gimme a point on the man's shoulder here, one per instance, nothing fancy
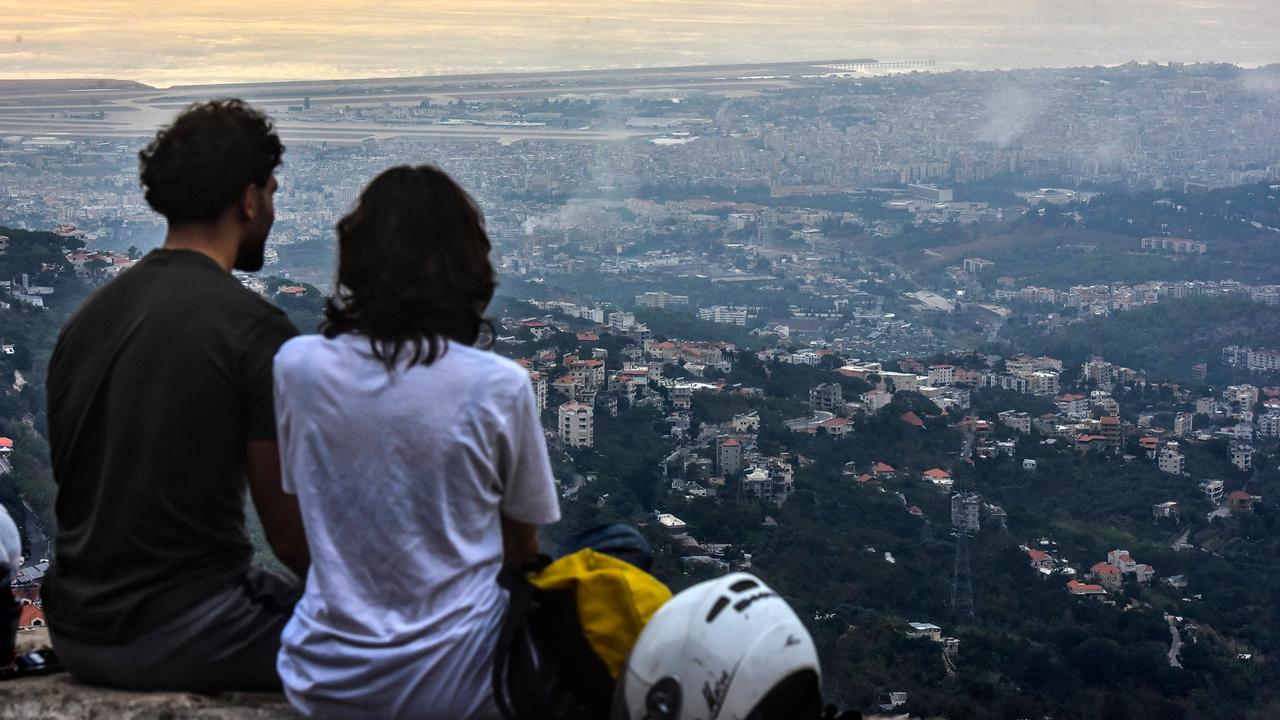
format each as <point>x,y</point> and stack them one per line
<point>251,303</point>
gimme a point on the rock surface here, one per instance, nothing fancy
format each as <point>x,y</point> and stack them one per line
<point>58,697</point>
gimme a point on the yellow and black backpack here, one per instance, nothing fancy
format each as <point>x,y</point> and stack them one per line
<point>571,624</point>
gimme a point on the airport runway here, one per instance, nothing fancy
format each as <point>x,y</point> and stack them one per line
<point>123,110</point>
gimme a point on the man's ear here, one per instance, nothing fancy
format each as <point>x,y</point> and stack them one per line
<point>250,203</point>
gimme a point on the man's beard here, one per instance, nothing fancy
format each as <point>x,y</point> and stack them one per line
<point>251,254</point>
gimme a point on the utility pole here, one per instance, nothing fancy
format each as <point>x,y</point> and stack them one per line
<point>962,581</point>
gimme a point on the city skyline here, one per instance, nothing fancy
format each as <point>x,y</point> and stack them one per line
<point>205,42</point>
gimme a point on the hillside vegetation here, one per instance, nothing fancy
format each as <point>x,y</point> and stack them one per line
<point>1166,339</point>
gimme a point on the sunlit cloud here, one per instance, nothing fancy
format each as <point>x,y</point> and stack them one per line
<point>207,41</point>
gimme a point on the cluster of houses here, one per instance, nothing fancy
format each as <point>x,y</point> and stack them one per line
<point>1103,578</point>
<point>577,387</point>
<point>734,454</point>
<point>579,384</point>
<point>694,553</point>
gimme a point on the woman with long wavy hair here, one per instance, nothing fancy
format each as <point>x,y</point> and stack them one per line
<point>418,460</point>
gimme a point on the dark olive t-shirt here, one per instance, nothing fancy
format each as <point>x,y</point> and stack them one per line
<point>156,384</point>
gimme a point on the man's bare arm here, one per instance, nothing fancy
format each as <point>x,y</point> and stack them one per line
<point>277,509</point>
<point>519,542</point>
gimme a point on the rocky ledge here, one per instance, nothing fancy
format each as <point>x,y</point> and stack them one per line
<point>58,697</point>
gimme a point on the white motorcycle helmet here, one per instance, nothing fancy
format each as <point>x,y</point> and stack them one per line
<point>725,649</point>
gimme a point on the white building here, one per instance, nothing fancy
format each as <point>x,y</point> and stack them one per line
<point>942,375</point>
<point>1212,489</point>
<point>1018,420</point>
<point>1073,406</point>
<point>539,380</point>
<point>1269,425</point>
<point>749,422</point>
<point>1043,383</point>
<point>874,400</point>
<point>577,425</point>
<point>1183,424</point>
<point>724,315</point>
<point>660,299</point>
<point>1171,460</point>
<point>1242,456</point>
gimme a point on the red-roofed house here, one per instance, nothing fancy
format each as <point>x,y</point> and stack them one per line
<point>1091,443</point>
<point>1241,502</point>
<point>31,617</point>
<point>1040,560</point>
<point>1079,588</point>
<point>938,477</point>
<point>837,427</point>
<point>587,337</point>
<point>1107,575</point>
<point>883,471</point>
<point>911,419</point>
<point>538,328</point>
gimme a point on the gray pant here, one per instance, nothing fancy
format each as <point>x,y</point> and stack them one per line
<point>228,641</point>
<point>9,612</point>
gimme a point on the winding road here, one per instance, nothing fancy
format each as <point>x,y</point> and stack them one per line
<point>1175,644</point>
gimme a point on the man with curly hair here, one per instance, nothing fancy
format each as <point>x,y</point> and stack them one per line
<point>160,418</point>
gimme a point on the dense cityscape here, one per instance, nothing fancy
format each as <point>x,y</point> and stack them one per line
<point>979,370</point>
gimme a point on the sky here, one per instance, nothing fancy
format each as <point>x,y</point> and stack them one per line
<point>179,42</point>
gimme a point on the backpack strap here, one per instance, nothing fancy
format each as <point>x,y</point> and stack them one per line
<point>520,673</point>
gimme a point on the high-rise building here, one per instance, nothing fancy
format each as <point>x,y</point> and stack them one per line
<point>828,397</point>
<point>1242,456</point>
<point>1171,460</point>
<point>930,192</point>
<point>577,425</point>
<point>1110,428</point>
<point>729,456</point>
<point>539,380</point>
<point>1183,424</point>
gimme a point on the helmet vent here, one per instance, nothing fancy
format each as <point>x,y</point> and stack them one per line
<point>722,602</point>
<point>743,603</point>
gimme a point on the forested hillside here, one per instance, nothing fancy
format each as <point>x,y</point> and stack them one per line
<point>1166,338</point>
<point>1099,241</point>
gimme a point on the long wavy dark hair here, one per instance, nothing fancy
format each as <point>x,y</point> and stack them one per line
<point>413,267</point>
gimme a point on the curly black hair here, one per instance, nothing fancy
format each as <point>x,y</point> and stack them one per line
<point>413,267</point>
<point>201,164</point>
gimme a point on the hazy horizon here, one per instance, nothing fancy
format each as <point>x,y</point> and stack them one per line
<point>206,42</point>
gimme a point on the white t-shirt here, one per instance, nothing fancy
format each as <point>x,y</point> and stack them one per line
<point>401,478</point>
